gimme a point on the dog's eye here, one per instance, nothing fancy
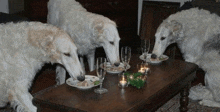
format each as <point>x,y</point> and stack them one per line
<point>162,38</point>
<point>67,54</point>
<point>111,42</point>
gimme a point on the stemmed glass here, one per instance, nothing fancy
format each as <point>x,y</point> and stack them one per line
<point>145,47</point>
<point>101,71</point>
<point>125,56</point>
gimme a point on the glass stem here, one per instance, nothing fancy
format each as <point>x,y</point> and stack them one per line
<point>100,86</point>
<point>125,67</point>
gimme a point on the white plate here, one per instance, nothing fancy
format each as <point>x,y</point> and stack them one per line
<point>89,78</point>
<point>150,60</point>
<point>115,70</point>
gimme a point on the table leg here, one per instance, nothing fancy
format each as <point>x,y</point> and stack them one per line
<point>184,99</point>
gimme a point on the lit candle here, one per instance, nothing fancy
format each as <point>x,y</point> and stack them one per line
<point>143,70</point>
<point>123,82</point>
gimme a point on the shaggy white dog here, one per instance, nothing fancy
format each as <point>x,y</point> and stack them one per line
<point>24,48</point>
<point>88,30</point>
<point>197,34</point>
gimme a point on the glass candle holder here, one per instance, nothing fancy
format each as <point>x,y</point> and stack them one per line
<point>122,80</point>
<point>143,68</point>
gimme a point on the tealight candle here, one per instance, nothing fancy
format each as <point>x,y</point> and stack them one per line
<point>123,82</point>
<point>143,70</point>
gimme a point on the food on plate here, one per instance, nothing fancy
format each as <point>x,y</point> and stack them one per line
<point>83,83</point>
<point>96,82</point>
<point>155,58</point>
<point>162,58</point>
<point>115,68</point>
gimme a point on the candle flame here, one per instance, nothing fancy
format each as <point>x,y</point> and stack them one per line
<point>144,69</point>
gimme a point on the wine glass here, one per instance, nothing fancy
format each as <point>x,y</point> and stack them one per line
<point>125,56</point>
<point>145,47</point>
<point>101,71</point>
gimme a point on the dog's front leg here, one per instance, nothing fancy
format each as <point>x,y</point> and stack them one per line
<point>212,83</point>
<point>21,101</point>
<point>60,75</point>
<point>90,59</point>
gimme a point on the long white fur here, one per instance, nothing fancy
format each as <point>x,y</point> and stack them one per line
<point>24,48</point>
<point>88,30</point>
<point>197,34</point>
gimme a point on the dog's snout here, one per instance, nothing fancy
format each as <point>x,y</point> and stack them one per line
<point>117,64</point>
<point>153,56</point>
<point>81,77</point>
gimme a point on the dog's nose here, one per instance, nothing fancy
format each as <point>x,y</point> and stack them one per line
<point>153,56</point>
<point>81,77</point>
<point>117,64</point>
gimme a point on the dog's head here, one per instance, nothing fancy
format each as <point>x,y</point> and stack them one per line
<point>68,56</point>
<point>59,48</point>
<point>167,33</point>
<point>108,38</point>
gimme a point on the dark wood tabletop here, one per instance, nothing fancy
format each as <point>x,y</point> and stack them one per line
<point>165,80</point>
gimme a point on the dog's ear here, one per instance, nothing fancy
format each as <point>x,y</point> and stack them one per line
<point>41,38</point>
<point>44,39</point>
<point>176,28</point>
<point>98,26</point>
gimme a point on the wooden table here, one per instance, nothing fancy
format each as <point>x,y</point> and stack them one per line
<point>166,80</point>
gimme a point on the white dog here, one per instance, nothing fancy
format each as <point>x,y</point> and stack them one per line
<point>24,48</point>
<point>197,34</point>
<point>88,30</point>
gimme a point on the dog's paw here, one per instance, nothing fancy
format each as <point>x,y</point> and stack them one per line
<point>210,103</point>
